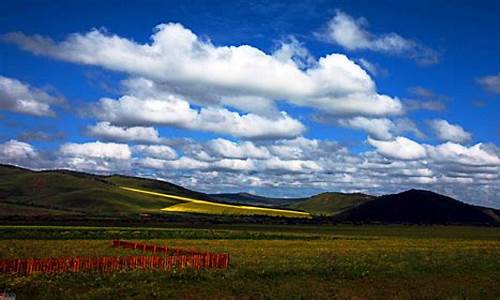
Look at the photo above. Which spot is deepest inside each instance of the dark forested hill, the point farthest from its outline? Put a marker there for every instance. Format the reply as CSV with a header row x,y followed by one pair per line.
x,y
420,207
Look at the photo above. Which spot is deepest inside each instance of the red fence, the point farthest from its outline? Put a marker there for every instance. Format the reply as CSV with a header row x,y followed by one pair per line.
x,y
180,259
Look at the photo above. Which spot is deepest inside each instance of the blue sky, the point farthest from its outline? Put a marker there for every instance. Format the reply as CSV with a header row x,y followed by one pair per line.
x,y
262,120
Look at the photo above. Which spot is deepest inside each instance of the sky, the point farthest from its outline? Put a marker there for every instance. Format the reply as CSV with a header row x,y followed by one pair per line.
x,y
275,98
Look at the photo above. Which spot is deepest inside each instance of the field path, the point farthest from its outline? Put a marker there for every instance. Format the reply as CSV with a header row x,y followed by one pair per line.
x,y
203,206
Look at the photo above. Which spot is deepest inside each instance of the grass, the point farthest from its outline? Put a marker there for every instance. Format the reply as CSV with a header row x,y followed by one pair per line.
x,y
9,209
329,204
32,192
343,262
201,206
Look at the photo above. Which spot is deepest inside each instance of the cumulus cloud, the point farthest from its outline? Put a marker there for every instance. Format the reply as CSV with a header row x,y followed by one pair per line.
x,y
14,151
157,151
352,34
94,157
452,154
20,97
96,150
407,125
400,148
379,129
107,132
476,155
490,83
229,149
449,132
181,61
292,165
146,105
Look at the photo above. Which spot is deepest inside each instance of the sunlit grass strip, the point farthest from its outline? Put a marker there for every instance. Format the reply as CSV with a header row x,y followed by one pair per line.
x,y
202,206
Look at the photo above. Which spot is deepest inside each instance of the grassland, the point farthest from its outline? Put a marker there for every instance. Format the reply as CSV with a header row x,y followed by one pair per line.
x,y
57,192
191,205
287,262
329,204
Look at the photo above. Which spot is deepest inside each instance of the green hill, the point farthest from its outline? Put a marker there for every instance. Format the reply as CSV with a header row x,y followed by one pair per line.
x,y
329,204
70,192
59,193
25,192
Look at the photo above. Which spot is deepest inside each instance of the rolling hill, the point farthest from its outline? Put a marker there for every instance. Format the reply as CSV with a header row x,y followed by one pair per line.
x,y
63,192
71,192
25,192
202,206
328,204
419,207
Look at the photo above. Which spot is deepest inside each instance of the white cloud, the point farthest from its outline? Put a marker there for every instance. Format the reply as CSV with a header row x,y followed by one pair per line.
x,y
292,51
173,111
449,132
352,34
407,125
303,148
157,151
490,83
476,155
107,132
235,164
291,165
185,64
96,150
134,111
451,154
152,163
186,163
379,129
250,125
14,151
20,97
230,149
400,148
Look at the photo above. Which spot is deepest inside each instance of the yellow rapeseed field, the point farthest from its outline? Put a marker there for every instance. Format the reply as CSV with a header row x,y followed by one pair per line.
x,y
201,206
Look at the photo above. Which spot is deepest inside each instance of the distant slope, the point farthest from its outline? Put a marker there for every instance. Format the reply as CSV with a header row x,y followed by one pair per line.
x,y
207,207
331,203
418,207
250,199
154,185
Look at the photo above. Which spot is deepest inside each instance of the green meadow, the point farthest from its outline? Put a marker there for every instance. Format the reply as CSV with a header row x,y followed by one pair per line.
x,y
284,262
